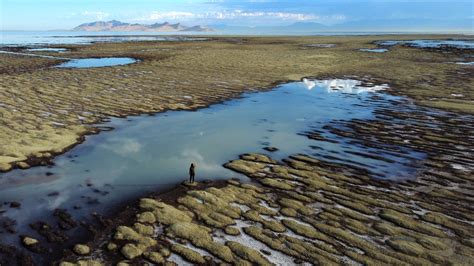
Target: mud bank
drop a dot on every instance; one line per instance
(56, 107)
(298, 210)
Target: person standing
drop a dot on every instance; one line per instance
(192, 173)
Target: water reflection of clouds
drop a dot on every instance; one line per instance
(380, 50)
(342, 86)
(28, 180)
(123, 146)
(193, 155)
(56, 202)
(466, 63)
(309, 84)
(148, 152)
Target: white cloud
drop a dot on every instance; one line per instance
(228, 15)
(278, 15)
(98, 15)
(156, 15)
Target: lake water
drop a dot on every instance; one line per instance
(45, 38)
(461, 44)
(380, 50)
(97, 62)
(466, 63)
(145, 153)
(46, 49)
(81, 62)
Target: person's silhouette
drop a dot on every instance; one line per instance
(192, 173)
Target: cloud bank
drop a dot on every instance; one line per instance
(237, 15)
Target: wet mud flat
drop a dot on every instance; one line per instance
(300, 210)
(402, 249)
(308, 209)
(60, 104)
(86, 180)
(461, 49)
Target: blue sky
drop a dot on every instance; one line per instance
(66, 14)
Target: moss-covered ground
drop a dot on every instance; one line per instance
(301, 209)
(338, 216)
(45, 110)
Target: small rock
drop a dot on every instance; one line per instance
(189, 184)
(155, 257)
(52, 235)
(28, 241)
(165, 252)
(271, 149)
(32, 244)
(66, 263)
(5, 167)
(53, 194)
(66, 222)
(15, 204)
(23, 165)
(131, 251)
(266, 252)
(146, 217)
(233, 182)
(81, 249)
(233, 231)
(111, 246)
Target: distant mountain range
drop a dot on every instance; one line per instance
(365, 25)
(115, 25)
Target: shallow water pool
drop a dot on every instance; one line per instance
(97, 62)
(47, 49)
(460, 44)
(465, 63)
(379, 50)
(145, 153)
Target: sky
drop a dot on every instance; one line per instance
(66, 14)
